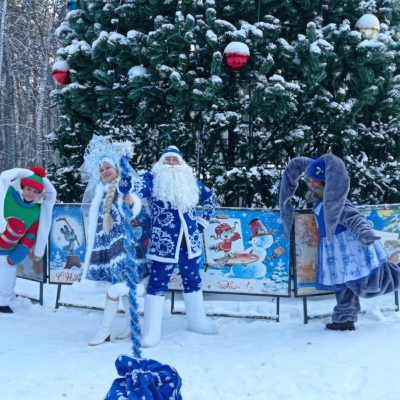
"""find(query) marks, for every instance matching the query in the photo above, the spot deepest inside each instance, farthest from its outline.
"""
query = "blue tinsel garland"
(125, 186)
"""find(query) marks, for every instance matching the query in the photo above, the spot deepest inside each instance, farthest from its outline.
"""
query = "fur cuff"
(118, 290)
(90, 287)
(203, 222)
(137, 205)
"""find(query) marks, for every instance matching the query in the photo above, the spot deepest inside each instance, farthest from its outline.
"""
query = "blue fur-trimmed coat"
(170, 224)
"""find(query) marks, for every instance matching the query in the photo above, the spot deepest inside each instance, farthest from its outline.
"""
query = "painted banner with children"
(244, 250)
(385, 221)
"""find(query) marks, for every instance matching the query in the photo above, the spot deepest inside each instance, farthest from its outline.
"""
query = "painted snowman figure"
(261, 239)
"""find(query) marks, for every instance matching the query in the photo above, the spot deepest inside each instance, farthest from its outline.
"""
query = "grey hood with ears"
(337, 186)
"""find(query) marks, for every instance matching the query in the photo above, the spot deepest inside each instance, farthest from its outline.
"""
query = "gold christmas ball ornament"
(369, 26)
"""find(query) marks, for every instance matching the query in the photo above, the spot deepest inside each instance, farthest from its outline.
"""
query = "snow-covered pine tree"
(280, 275)
(312, 84)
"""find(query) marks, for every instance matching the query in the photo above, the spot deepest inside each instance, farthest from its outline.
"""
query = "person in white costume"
(26, 204)
(104, 269)
(173, 192)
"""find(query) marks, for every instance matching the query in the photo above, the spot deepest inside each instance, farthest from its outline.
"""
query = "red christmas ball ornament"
(388, 155)
(60, 72)
(236, 56)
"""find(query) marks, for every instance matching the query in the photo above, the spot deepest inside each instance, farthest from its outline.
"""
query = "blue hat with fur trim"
(316, 170)
(171, 151)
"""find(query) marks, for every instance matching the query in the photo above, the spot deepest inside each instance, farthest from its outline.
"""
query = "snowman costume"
(22, 224)
(175, 239)
(350, 258)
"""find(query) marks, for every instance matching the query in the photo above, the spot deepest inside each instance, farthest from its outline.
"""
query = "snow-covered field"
(44, 353)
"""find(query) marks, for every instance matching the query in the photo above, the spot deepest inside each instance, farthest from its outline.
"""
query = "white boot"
(153, 312)
(127, 330)
(103, 334)
(196, 316)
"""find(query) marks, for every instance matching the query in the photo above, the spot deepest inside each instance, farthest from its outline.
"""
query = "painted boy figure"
(173, 193)
(25, 218)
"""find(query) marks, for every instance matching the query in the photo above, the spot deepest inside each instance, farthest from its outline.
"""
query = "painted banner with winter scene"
(32, 269)
(244, 252)
(67, 242)
(385, 219)
(67, 245)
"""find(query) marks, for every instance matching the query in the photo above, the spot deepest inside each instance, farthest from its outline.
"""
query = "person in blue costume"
(173, 192)
(105, 266)
(350, 258)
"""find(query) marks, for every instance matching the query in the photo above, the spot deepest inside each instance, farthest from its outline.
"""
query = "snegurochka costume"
(23, 225)
(350, 259)
(106, 261)
(175, 239)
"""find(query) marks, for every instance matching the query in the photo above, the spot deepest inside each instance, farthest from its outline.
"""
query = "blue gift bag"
(144, 379)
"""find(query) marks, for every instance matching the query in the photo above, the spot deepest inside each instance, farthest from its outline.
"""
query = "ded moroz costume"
(172, 193)
(350, 259)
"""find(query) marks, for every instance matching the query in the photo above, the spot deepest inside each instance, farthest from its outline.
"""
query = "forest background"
(27, 50)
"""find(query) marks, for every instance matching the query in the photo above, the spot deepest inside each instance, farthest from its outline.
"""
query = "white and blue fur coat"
(90, 286)
(170, 224)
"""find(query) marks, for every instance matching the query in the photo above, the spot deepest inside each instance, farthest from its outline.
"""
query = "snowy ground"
(44, 353)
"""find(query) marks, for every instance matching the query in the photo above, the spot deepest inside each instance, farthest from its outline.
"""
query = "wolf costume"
(350, 258)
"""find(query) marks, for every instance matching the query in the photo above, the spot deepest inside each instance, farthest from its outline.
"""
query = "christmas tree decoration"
(369, 26)
(311, 86)
(236, 56)
(60, 72)
(137, 70)
(71, 5)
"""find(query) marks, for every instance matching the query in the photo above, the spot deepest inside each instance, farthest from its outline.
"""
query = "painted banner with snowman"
(244, 252)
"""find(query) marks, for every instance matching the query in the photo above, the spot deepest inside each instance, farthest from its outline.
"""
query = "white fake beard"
(315, 195)
(175, 184)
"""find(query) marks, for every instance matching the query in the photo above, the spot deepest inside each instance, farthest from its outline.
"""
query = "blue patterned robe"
(107, 261)
(169, 224)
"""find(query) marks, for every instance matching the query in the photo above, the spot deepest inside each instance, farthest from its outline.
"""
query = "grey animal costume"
(350, 259)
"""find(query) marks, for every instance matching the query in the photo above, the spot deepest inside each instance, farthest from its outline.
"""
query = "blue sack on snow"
(144, 379)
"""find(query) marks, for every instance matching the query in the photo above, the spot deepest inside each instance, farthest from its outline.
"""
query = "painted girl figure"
(350, 258)
(105, 266)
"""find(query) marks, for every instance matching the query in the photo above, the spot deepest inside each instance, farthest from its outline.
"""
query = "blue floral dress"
(345, 259)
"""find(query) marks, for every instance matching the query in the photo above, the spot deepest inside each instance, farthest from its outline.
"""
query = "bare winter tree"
(27, 51)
